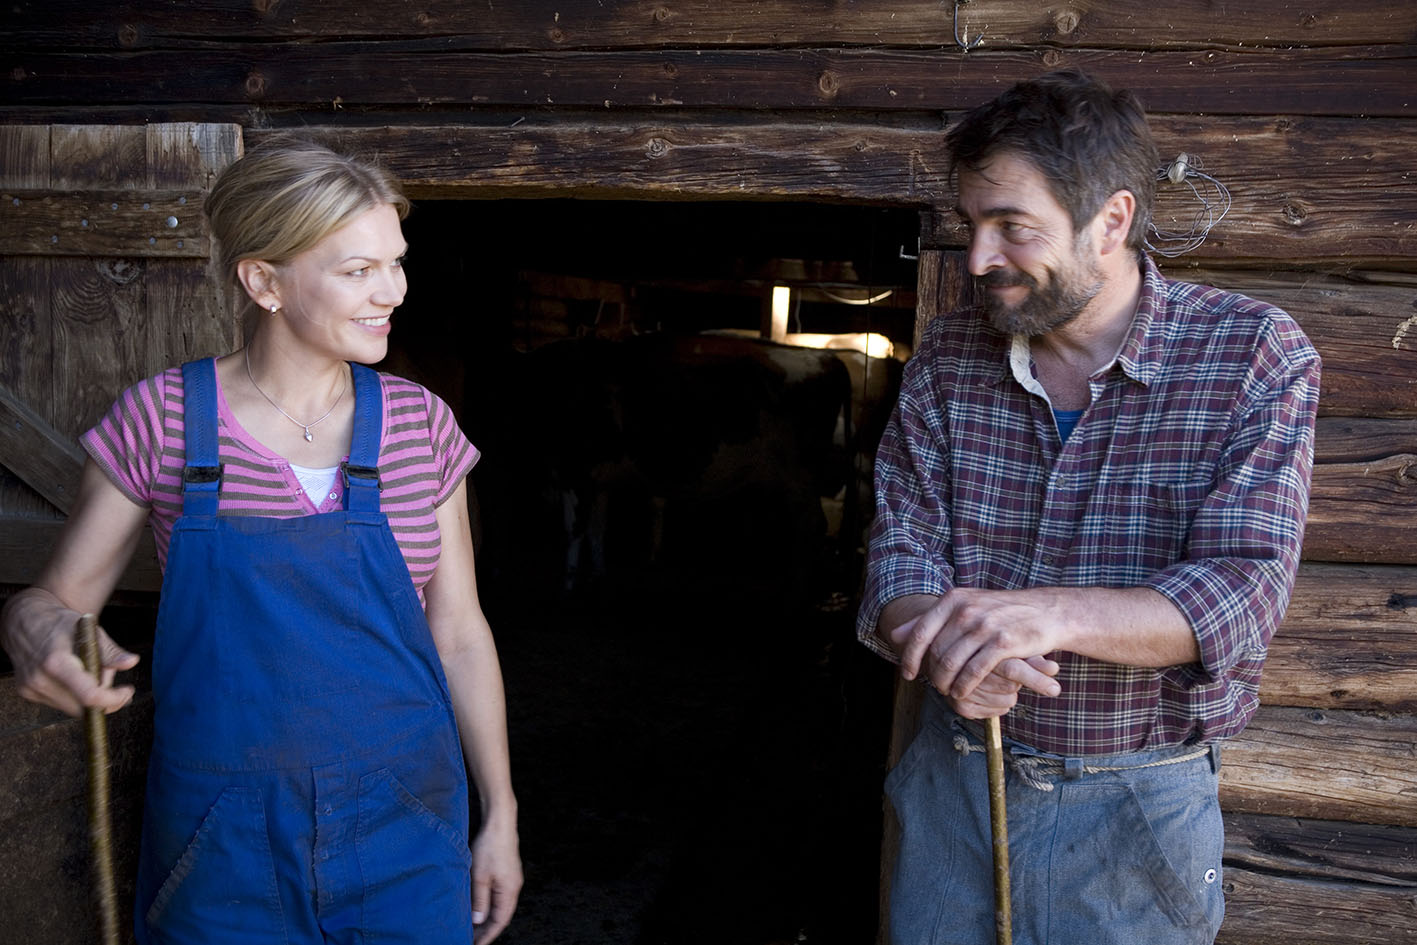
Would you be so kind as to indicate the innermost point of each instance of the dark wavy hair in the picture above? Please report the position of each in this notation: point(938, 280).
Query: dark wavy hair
point(1086, 140)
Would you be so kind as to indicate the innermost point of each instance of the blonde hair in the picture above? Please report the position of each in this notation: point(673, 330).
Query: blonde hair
point(289, 193)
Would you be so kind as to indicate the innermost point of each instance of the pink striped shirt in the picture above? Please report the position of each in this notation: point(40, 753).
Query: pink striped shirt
point(423, 456)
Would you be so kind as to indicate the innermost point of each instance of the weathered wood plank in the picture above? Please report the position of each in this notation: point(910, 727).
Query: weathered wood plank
point(102, 223)
point(1360, 439)
point(1359, 211)
point(1324, 764)
point(1366, 853)
point(1347, 80)
point(49, 462)
point(608, 24)
point(1362, 512)
point(1279, 861)
point(25, 546)
point(1271, 910)
point(1348, 641)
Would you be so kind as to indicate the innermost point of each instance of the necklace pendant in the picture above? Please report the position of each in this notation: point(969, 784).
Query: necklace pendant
point(309, 437)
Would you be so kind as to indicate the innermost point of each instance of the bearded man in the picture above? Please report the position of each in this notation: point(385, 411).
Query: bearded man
point(1090, 504)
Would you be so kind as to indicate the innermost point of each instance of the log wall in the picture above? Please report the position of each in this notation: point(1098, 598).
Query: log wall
point(1306, 112)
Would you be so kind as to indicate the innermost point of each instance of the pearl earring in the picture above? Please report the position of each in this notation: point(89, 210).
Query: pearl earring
point(274, 309)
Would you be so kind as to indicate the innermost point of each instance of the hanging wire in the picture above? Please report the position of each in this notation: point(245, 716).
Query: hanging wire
point(1212, 195)
point(965, 44)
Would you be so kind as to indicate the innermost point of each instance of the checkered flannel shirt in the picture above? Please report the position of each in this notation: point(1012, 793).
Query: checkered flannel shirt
point(1189, 474)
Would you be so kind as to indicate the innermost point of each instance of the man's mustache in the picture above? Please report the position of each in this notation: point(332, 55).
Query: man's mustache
point(1000, 278)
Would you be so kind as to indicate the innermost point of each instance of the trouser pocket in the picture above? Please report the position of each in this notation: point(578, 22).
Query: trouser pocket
point(221, 887)
point(416, 867)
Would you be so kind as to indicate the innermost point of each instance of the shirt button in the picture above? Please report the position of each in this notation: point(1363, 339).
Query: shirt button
point(333, 496)
point(1209, 876)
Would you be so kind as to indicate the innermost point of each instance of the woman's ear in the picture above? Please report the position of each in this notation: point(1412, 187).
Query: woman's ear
point(259, 280)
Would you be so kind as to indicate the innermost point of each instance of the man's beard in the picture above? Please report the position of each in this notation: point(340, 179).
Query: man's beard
point(1045, 307)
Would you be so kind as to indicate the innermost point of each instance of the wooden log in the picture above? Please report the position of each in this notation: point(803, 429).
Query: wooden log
point(1366, 853)
point(1343, 80)
point(1361, 512)
point(612, 24)
point(1280, 868)
point(1348, 641)
point(1325, 764)
point(1261, 909)
point(1359, 439)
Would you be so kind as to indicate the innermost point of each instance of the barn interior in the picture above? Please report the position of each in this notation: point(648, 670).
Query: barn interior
point(669, 538)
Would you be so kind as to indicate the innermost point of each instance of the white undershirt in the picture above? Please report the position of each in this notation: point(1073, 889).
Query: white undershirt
point(317, 483)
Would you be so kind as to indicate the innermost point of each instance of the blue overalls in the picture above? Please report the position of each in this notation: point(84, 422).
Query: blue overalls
point(306, 783)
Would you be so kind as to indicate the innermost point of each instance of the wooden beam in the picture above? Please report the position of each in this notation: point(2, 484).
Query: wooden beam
point(26, 544)
point(610, 24)
point(1348, 641)
point(1362, 512)
point(1307, 881)
point(102, 223)
point(48, 462)
point(1322, 763)
point(1370, 80)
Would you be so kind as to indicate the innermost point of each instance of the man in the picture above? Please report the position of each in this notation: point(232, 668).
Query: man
point(1090, 504)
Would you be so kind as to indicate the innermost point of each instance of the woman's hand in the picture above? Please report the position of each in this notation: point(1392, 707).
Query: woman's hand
point(38, 634)
point(496, 878)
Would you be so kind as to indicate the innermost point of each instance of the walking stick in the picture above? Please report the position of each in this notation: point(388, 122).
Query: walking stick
point(96, 729)
point(999, 827)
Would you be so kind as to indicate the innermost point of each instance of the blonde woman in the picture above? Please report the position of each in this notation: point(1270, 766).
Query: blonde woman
point(323, 675)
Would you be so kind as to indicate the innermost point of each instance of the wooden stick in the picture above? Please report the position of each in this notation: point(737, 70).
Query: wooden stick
point(999, 827)
point(100, 833)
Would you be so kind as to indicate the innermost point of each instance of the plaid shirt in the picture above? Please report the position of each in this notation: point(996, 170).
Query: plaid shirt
point(1188, 474)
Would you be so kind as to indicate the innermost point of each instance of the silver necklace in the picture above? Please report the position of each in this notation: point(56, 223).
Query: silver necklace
point(309, 437)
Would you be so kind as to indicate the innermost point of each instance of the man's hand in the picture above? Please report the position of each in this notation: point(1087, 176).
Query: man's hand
point(971, 635)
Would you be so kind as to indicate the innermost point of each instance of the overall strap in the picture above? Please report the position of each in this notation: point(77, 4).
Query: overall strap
point(361, 471)
point(201, 476)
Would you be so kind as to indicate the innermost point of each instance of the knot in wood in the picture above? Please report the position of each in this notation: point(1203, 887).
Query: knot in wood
point(828, 84)
point(423, 19)
point(1066, 21)
point(255, 85)
point(662, 14)
point(671, 70)
point(1309, 20)
point(1052, 58)
point(118, 270)
point(1293, 215)
point(264, 6)
point(657, 148)
point(556, 35)
point(127, 36)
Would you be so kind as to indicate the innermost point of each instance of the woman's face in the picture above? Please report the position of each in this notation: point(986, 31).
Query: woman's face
point(337, 296)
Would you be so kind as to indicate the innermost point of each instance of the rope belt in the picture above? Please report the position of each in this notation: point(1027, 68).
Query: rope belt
point(1031, 769)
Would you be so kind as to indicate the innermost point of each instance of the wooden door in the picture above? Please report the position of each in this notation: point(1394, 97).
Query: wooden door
point(942, 285)
point(105, 278)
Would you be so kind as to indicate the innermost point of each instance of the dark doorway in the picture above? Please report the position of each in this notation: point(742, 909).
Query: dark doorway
point(698, 742)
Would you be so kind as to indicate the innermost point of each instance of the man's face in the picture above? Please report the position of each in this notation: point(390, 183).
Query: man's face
point(1036, 273)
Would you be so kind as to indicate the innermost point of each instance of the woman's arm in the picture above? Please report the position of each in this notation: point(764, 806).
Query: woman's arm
point(37, 626)
point(469, 656)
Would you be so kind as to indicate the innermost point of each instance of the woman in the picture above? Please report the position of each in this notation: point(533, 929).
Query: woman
point(322, 669)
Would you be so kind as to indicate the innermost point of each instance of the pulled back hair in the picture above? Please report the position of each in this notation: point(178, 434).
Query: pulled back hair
point(287, 194)
point(1086, 140)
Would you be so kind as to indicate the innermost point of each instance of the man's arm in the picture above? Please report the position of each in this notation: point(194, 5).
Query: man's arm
point(960, 638)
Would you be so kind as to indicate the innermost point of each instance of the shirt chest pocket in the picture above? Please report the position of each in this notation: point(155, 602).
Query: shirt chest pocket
point(1142, 525)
